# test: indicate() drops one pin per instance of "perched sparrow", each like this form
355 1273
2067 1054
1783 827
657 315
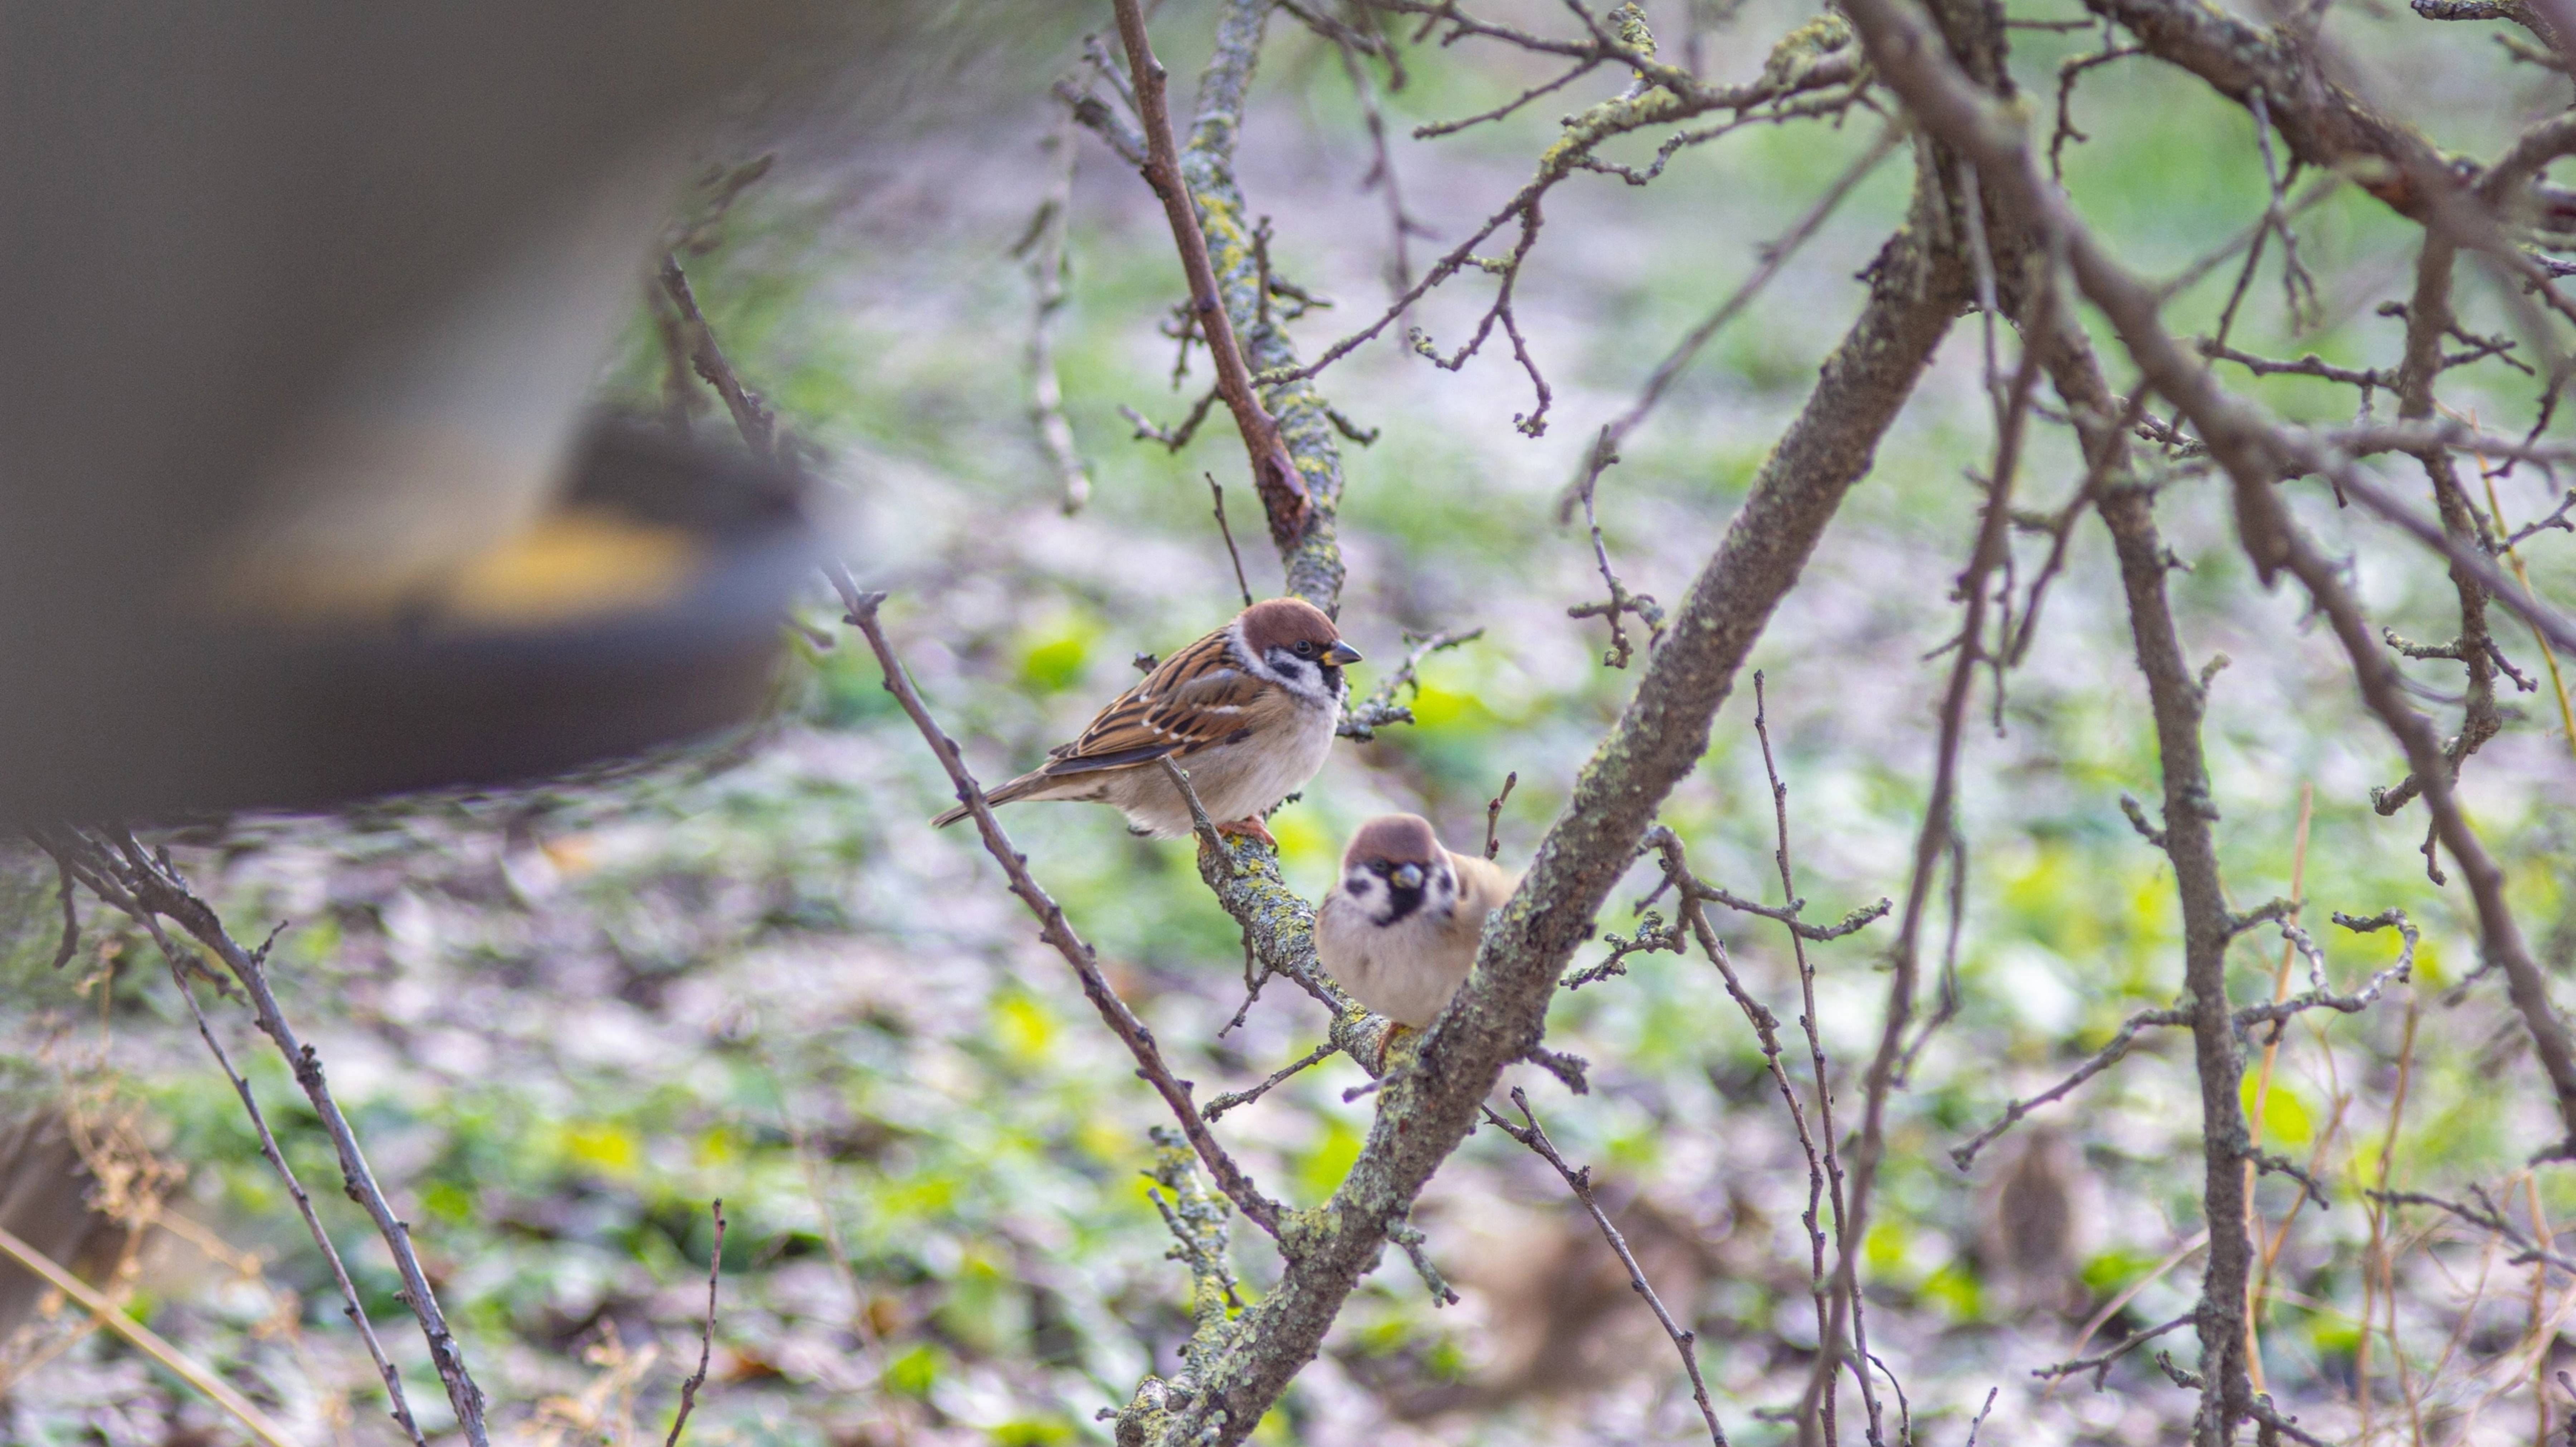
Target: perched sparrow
1400 931
1248 711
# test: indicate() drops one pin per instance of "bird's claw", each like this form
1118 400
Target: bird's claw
1249 828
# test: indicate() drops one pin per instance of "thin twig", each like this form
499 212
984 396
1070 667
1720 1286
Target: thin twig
1054 928
1494 814
144 884
1990 549
2099 1364
1216 490
1580 1182
1045 255
1379 709
1979 1424
147 1341
751 416
1409 1238
351 1306
706 1331
1826 1186
2111 1054
1231 1099
1381 172
1771 257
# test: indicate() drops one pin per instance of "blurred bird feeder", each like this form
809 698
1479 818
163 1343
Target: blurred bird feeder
300 499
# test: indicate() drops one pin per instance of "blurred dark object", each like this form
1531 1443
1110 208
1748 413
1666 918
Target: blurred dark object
1561 1318
303 305
2038 1217
646 609
45 1189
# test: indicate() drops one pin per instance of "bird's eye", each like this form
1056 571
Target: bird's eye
1306 649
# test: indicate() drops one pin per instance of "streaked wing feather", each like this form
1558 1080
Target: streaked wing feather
1195 699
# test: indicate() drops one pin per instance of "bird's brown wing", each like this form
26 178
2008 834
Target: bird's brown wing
1197 698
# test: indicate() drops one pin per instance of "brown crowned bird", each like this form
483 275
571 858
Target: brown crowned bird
1248 711
1400 930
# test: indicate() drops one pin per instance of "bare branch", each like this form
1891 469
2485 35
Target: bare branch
2254 452
1231 1099
1989 553
144 884
1058 932
1964 1156
1772 257
2099 1364
751 415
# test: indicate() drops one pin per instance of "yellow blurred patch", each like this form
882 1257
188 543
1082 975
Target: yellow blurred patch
2286 1121
1023 1028
1434 706
578 563
1331 1159
1884 1249
1053 658
1102 1140
603 1146
718 1147
1303 844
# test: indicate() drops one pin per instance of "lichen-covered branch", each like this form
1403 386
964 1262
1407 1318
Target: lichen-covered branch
1283 489
1312 556
1433 1091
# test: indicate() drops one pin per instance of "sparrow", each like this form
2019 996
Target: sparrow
1401 928
1248 712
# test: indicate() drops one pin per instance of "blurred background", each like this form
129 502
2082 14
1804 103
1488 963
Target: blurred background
566 1016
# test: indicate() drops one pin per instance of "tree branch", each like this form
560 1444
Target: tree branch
1058 932
1274 472
2255 452
1580 1182
1427 1107
117 868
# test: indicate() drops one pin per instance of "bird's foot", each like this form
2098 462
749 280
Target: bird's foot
1250 829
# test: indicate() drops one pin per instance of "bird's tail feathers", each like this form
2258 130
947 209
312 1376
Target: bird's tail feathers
1018 788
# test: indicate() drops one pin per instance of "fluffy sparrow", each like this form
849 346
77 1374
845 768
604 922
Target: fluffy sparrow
1248 711
1401 928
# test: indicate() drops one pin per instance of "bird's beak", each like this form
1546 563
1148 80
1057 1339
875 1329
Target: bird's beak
1341 654
1408 877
